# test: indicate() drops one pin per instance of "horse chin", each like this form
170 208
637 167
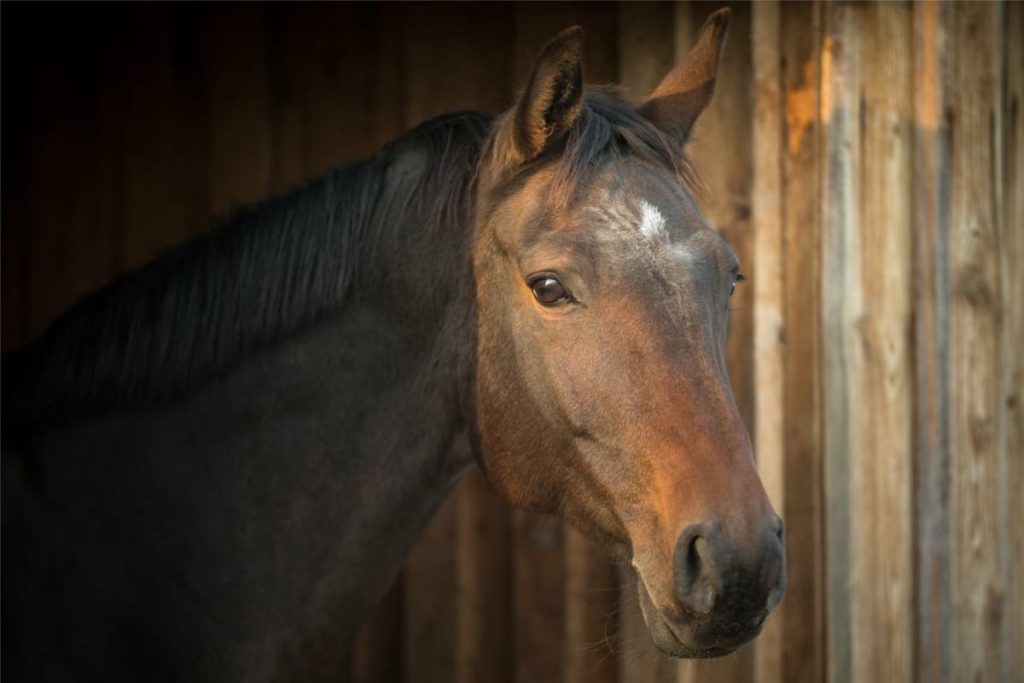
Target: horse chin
690 639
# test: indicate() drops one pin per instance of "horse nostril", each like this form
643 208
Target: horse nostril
777 527
693 586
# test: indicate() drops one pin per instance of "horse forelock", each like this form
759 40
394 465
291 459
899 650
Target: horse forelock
608 128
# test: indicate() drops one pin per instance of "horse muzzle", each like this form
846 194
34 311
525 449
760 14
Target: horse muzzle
722 591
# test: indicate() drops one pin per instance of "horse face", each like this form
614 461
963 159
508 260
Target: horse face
601 389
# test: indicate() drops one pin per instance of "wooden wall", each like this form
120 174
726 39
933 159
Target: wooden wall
865 159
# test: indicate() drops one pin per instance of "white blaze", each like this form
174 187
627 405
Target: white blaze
652 223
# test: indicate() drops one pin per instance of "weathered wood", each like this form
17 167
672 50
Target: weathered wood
767 284
537 22
591 612
428 639
646 46
639 661
843 298
538 585
70 198
1012 267
164 137
866 281
803 609
979 493
378 655
238 104
931 304
880 401
483 598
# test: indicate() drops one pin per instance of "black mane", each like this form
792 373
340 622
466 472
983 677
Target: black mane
279 266
268 270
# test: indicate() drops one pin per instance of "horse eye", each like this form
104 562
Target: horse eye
549 291
738 278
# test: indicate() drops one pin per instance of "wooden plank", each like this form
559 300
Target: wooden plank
13 290
843 304
17 151
646 46
284 77
469 66
71 208
537 22
428 639
377 652
164 199
803 617
238 103
1012 268
483 597
979 502
639 661
767 283
538 589
591 612
881 412
866 107
932 610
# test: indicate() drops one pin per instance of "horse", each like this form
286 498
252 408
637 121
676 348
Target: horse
216 465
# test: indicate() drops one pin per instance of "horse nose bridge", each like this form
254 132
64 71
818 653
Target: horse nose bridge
710 477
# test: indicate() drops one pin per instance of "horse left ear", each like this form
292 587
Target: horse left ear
553 97
686 91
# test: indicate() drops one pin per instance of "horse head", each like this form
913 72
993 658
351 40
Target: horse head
601 391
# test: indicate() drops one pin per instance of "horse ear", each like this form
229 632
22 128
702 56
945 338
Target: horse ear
553 96
685 92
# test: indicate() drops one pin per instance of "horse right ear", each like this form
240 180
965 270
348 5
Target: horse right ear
686 91
552 99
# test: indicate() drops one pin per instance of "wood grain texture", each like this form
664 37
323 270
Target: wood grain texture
802 161
843 302
538 586
483 598
880 400
238 104
591 612
866 111
976 240
931 305
164 134
768 302
1012 270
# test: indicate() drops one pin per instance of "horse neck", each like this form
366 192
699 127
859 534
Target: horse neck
328 451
